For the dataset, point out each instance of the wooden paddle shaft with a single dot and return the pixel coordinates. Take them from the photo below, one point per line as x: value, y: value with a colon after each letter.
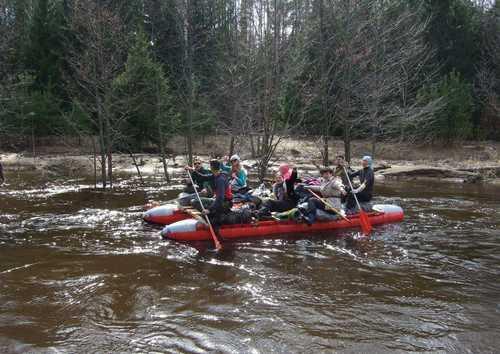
x: 212, y: 231
x: 352, y: 189
x: 329, y: 205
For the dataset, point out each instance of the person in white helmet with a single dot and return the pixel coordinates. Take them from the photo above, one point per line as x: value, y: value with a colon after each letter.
x: 237, y: 174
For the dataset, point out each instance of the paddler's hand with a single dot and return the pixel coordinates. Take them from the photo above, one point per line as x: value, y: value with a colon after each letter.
x: 189, y: 168
x: 359, y: 189
x: 205, y: 212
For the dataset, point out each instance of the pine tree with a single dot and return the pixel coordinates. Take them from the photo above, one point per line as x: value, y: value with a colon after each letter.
x: 143, y: 97
x: 44, y: 52
x: 453, y: 33
x: 453, y: 121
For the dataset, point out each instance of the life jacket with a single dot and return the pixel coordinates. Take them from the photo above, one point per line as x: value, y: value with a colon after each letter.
x: 228, y: 193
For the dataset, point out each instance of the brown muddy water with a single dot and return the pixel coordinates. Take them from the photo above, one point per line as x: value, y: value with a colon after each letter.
x: 80, y: 272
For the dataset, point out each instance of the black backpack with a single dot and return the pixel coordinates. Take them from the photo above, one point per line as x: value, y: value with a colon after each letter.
x: 242, y: 216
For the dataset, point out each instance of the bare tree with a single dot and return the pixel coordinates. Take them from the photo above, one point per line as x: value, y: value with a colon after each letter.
x: 96, y: 58
x: 487, y: 82
x: 376, y: 48
x: 396, y: 65
x: 277, y: 67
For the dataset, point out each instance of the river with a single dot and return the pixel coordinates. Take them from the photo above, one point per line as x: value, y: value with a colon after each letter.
x: 80, y: 272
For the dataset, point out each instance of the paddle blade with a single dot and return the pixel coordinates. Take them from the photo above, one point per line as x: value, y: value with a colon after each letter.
x: 364, y: 221
x: 218, y: 245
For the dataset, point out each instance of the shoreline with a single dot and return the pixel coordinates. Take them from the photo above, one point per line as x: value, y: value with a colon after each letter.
x: 74, y: 165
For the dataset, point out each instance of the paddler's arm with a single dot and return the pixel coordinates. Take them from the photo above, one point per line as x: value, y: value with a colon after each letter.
x: 241, y: 178
x: 202, y: 177
x: 226, y: 168
x: 360, y: 188
x: 368, y: 181
x: 313, y: 188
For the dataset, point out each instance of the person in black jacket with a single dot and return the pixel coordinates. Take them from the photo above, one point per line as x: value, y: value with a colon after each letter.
x: 364, y: 192
x: 221, y: 204
x: 204, y: 187
x: 287, y: 198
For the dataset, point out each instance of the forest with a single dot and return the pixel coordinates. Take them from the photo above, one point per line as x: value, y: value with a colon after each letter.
x: 130, y: 75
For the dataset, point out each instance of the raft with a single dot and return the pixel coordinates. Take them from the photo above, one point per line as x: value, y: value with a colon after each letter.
x: 165, y: 214
x: 194, y: 230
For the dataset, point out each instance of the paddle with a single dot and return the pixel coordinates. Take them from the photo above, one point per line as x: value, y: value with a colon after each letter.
x: 218, y: 245
x: 366, y: 226
x: 329, y: 205
x: 195, y: 214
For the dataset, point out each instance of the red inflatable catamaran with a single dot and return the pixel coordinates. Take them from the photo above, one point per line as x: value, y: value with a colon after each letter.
x: 181, y: 226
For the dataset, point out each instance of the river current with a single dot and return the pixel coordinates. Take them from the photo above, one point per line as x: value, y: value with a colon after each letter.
x: 81, y: 272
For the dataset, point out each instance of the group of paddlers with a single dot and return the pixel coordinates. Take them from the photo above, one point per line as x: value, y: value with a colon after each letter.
x: 223, y: 194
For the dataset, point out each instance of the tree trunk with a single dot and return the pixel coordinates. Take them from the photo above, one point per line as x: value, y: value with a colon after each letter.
x: 160, y: 133
x: 163, y: 154
x: 263, y: 165
x: 347, y: 142
x: 252, y: 147
x: 165, y: 167
x: 110, y: 168
x: 102, y: 143
x: 33, y: 151
x: 103, y: 168
x: 134, y: 160
x: 109, y: 148
x: 188, y: 52
x: 95, y: 162
x: 374, y: 143
x: 326, y: 157
x: 324, y: 111
x: 231, y: 146
x: 190, y: 132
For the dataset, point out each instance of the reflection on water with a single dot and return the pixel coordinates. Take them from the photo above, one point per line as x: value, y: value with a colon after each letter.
x: 80, y: 272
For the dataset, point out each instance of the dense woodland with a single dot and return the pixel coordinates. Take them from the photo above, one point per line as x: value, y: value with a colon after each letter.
x: 132, y: 74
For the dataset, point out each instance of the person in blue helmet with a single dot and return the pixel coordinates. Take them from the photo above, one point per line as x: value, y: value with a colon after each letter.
x: 364, y: 192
